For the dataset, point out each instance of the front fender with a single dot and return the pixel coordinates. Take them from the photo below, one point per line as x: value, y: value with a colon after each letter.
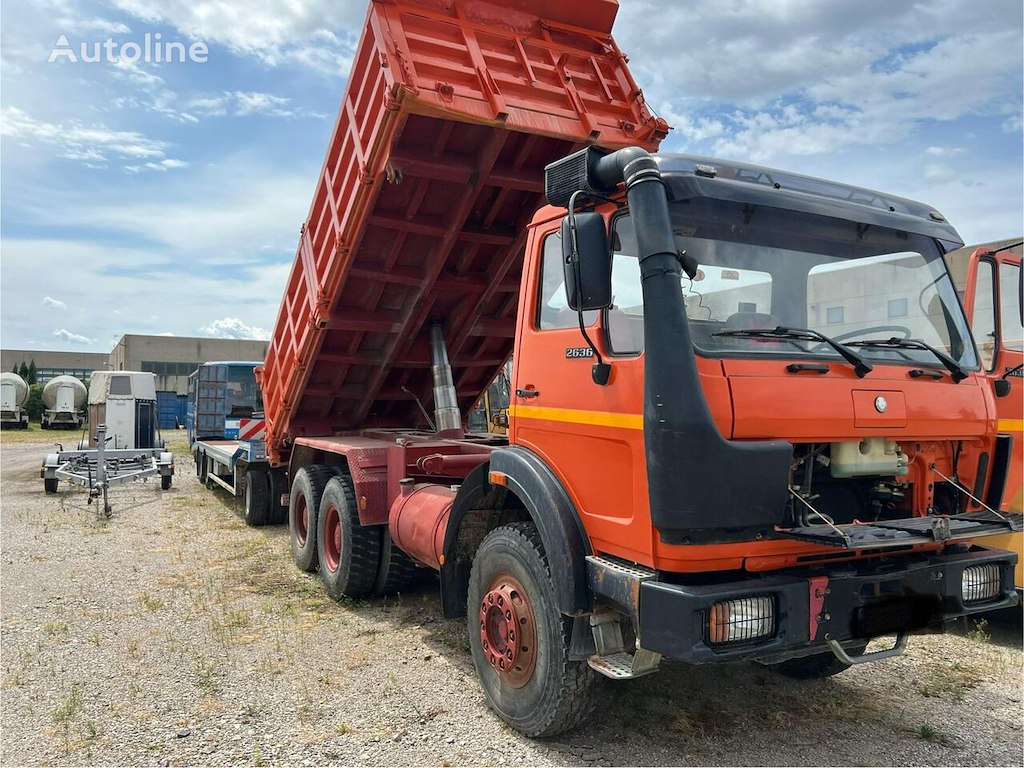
x: 551, y: 510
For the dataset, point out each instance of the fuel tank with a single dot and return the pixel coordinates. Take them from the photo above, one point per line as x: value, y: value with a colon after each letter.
x: 418, y: 520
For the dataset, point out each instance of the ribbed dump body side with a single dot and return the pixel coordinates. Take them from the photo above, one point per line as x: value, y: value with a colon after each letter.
x: 434, y: 168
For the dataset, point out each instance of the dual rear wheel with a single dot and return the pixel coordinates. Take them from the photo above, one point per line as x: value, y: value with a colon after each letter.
x: 355, y: 561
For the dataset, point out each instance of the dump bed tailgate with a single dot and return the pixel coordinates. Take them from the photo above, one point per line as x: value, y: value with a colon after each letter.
x: 435, y: 165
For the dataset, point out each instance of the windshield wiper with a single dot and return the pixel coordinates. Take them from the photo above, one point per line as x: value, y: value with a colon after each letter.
x: 957, y: 373
x: 860, y: 366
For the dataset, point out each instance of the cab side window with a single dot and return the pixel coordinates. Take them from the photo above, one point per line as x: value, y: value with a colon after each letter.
x: 552, y: 305
x: 1011, y: 330
x: 983, y: 321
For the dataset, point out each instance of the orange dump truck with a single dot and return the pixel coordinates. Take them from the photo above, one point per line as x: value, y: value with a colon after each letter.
x: 747, y: 419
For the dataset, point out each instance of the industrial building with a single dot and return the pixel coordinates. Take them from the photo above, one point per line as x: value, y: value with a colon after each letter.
x: 51, y: 364
x: 171, y: 358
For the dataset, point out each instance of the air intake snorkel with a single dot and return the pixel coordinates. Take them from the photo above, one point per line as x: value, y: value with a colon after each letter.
x: 699, y: 483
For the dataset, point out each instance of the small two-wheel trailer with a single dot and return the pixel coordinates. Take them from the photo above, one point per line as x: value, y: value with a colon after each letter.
x: 123, y: 445
x: 97, y: 469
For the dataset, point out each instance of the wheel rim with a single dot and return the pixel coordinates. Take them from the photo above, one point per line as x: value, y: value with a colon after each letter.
x: 332, y: 539
x: 301, y: 521
x: 508, y: 630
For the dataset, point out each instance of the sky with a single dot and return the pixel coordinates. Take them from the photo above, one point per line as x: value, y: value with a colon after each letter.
x: 166, y: 197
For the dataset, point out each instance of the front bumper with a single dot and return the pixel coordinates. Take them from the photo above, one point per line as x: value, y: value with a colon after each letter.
x: 846, y: 602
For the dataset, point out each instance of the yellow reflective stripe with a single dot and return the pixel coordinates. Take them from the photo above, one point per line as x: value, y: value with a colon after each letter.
x: 1010, y: 425
x: 571, y: 416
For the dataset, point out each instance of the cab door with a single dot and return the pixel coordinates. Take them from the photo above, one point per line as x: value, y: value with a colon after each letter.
x: 590, y: 435
x: 993, y: 300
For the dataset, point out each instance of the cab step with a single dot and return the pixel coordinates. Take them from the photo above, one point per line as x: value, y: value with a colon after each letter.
x: 626, y: 666
x: 617, y: 583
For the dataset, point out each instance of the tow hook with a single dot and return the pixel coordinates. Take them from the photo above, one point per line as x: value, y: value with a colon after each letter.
x: 841, y: 654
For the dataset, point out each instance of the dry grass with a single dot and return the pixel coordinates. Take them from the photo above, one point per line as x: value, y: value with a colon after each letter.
x: 951, y: 681
x: 36, y: 434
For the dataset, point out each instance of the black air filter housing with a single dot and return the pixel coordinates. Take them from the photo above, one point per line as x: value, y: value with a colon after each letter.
x: 573, y: 173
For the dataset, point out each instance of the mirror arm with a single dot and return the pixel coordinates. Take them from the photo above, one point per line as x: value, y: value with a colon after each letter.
x: 600, y: 370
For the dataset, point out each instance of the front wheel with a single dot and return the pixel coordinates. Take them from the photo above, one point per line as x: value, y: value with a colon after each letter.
x: 165, y: 482
x: 257, y: 498
x: 520, y: 640
x: 50, y: 484
x: 278, y: 487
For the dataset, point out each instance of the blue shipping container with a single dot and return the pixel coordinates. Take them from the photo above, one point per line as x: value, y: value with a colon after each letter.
x: 171, y: 409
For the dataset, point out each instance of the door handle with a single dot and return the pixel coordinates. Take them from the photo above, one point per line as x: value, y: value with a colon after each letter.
x: 527, y: 393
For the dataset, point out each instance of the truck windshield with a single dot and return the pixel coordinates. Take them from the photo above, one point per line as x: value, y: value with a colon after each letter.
x: 243, y: 396
x: 765, y: 268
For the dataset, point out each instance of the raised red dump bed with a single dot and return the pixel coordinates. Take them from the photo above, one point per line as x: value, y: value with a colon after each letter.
x: 435, y: 166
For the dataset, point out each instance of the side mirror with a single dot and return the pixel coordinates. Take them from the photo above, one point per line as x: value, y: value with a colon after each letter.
x: 587, y: 259
x: 1001, y: 387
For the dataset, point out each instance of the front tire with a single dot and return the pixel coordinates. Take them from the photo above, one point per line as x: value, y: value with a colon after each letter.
x: 520, y: 640
x: 348, y: 552
x: 165, y: 482
x: 278, y: 487
x: 303, y: 507
x: 50, y: 484
x: 257, y: 498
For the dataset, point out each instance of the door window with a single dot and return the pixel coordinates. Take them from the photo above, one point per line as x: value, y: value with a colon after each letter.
x: 552, y: 302
x: 983, y: 320
x: 1011, y: 331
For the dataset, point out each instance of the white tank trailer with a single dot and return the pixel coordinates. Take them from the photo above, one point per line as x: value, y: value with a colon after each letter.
x: 13, y: 396
x: 64, y: 400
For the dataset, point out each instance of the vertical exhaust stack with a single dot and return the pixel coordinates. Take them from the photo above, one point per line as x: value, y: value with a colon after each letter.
x: 447, y: 417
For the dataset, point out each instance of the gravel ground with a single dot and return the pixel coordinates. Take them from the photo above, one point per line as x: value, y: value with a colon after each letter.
x: 173, y: 634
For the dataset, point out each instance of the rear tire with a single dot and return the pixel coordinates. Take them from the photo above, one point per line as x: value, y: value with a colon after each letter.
x: 278, y: 487
x: 204, y: 469
x: 348, y: 552
x: 397, y: 571
x: 50, y: 484
x: 539, y: 691
x: 257, y: 498
x: 303, y: 508
x: 165, y: 482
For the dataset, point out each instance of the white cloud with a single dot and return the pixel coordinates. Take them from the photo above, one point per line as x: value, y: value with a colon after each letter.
x: 164, y: 165
x: 245, y: 104
x: 55, y: 303
x: 73, y: 338
x: 233, y: 328
x: 765, y: 79
x: 274, y: 31
x: 75, y: 140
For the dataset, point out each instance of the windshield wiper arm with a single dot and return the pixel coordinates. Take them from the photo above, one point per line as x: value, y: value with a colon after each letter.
x: 957, y: 373
x: 860, y: 366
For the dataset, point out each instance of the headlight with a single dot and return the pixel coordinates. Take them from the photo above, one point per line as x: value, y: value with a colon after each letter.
x: 980, y: 582
x: 741, y: 620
